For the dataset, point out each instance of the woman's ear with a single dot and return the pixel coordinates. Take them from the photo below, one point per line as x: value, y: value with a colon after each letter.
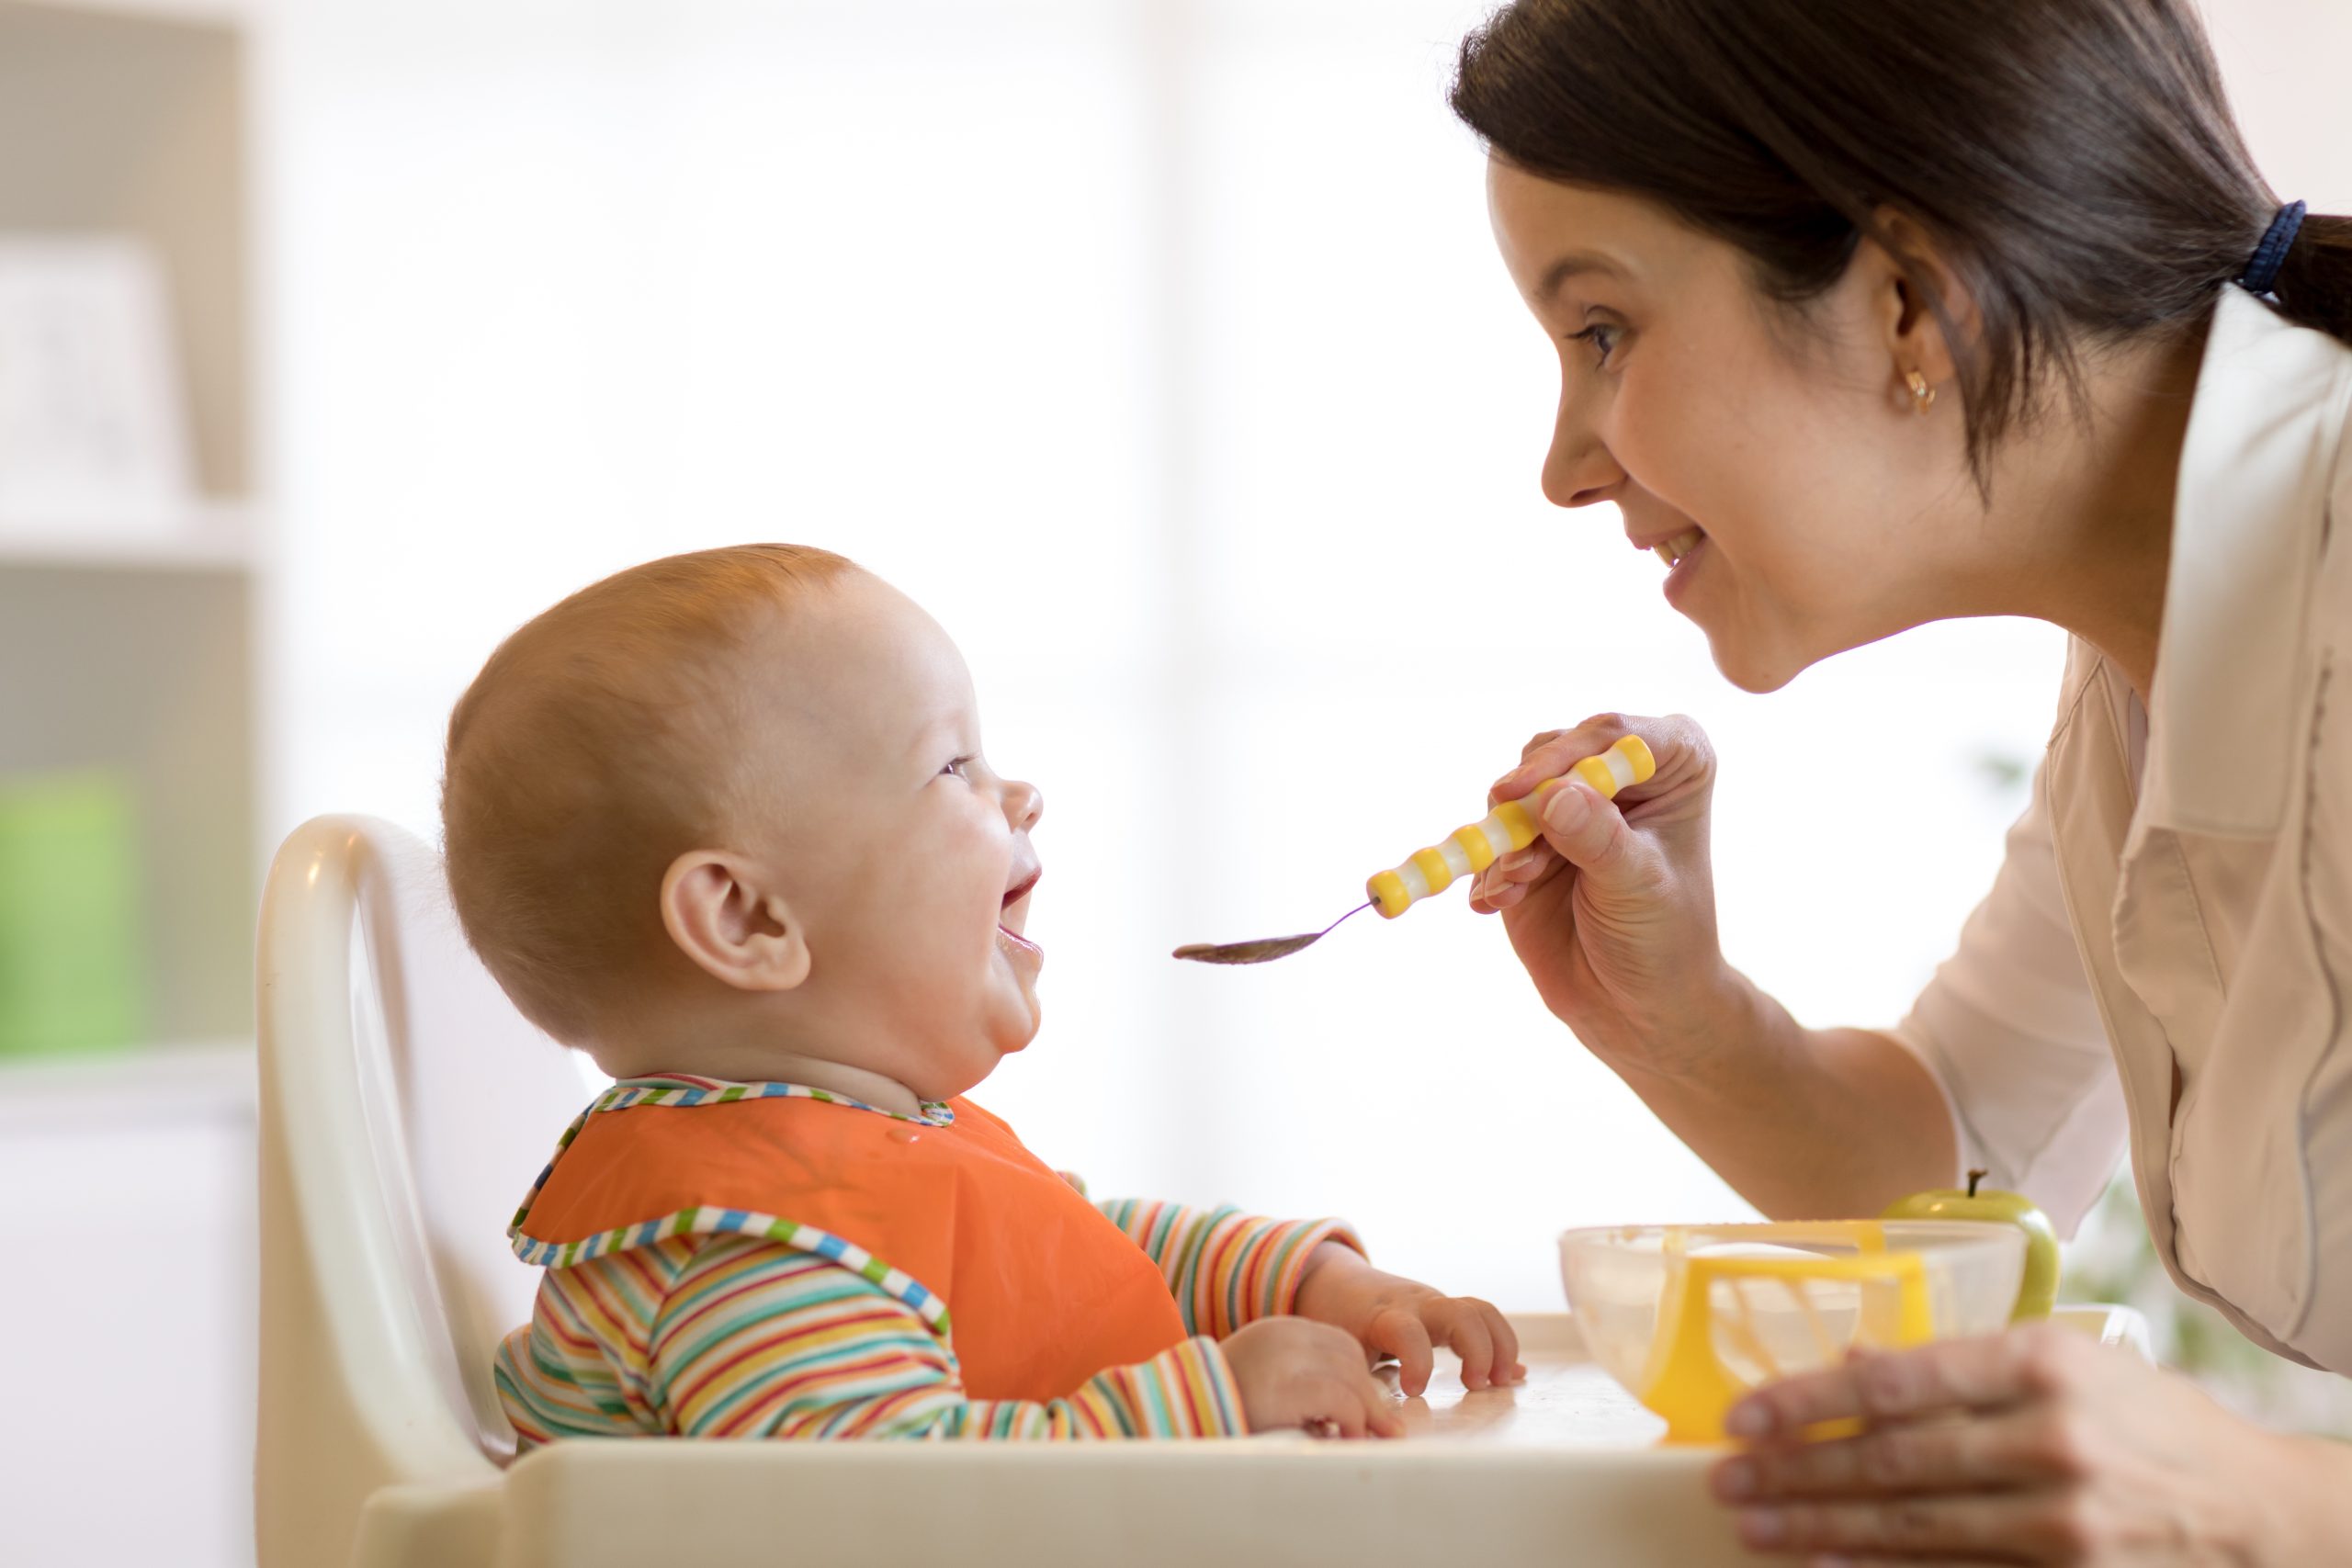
x: 1915, y: 335
x: 720, y: 911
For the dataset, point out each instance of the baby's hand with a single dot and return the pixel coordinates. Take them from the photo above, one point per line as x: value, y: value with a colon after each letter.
x: 1295, y: 1374
x: 1397, y: 1317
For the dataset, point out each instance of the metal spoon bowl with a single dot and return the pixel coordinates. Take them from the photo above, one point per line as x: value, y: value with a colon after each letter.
x: 1265, y: 950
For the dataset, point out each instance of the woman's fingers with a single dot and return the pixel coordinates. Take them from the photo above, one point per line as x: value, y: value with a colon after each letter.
x: 1579, y: 826
x: 1680, y: 746
x: 2034, y: 1526
x: 2030, y: 1446
x: 1554, y: 752
x: 1513, y: 873
x: 1962, y: 1374
x: 1537, y: 744
x: 1587, y: 831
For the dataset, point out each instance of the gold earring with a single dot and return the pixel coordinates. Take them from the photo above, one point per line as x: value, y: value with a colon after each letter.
x: 1923, y: 397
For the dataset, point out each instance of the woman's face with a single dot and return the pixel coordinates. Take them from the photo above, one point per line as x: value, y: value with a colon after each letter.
x: 1777, y: 453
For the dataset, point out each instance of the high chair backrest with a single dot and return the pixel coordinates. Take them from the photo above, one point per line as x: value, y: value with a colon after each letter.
x: 406, y: 1107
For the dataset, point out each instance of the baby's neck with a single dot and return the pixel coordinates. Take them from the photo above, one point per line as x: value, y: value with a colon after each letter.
x: 838, y: 1078
x: 767, y: 1064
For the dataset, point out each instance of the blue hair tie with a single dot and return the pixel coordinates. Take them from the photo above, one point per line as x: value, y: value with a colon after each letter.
x: 2262, y: 272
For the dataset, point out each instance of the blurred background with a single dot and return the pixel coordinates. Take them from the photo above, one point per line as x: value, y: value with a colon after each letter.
x: 1158, y: 346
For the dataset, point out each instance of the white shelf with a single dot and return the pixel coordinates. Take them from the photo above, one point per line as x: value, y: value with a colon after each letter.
x: 206, y: 538
x: 128, y: 643
x: 127, y: 635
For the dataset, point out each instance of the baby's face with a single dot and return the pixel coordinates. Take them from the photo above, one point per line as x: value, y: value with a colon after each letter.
x: 903, y: 854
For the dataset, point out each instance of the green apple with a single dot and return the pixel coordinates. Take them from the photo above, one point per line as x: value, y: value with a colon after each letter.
x: 2039, y: 1289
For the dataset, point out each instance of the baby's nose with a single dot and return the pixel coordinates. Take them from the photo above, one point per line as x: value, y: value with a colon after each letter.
x: 1024, y: 803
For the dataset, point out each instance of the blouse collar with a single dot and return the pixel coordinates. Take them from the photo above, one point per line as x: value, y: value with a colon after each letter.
x: 2266, y: 445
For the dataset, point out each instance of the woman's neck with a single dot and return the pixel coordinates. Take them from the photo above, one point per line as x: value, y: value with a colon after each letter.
x: 2080, y: 532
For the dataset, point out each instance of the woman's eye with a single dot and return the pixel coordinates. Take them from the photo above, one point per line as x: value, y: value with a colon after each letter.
x: 1604, y: 338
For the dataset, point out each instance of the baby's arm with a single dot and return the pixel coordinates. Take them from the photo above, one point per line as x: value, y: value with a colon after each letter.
x: 757, y: 1340
x: 1226, y: 1268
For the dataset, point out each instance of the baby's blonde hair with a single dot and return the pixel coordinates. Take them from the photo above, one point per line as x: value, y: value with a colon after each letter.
x: 591, y: 751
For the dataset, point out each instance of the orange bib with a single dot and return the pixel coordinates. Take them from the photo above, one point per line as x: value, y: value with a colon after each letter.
x: 959, y: 1221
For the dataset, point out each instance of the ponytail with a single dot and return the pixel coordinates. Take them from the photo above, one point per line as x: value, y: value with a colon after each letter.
x: 2314, y: 283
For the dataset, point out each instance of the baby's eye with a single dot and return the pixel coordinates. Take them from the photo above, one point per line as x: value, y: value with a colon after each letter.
x: 957, y: 766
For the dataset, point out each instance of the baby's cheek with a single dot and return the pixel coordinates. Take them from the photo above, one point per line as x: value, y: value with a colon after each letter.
x: 944, y: 863
x: 927, y: 945
x: 937, y: 930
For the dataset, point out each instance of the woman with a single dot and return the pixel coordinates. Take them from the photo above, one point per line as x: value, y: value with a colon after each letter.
x: 1870, y: 315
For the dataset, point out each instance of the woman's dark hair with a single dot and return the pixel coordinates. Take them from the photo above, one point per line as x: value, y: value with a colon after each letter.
x: 2074, y: 161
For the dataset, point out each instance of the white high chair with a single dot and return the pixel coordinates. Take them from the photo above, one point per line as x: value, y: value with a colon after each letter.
x: 396, y: 1083
x: 406, y: 1107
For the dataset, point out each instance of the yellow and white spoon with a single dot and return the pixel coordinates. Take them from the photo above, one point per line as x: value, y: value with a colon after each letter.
x: 1467, y: 851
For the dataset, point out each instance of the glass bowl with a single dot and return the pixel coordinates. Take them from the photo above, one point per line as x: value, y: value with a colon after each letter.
x: 1689, y: 1317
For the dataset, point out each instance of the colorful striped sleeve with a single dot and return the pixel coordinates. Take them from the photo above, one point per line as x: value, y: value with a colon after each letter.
x: 746, y: 1339
x: 1225, y: 1268
x: 579, y: 1368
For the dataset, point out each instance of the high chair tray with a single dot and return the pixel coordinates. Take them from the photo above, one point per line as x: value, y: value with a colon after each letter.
x: 1566, y: 1467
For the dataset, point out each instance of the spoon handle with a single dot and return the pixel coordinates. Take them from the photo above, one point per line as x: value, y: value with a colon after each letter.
x: 1514, y: 825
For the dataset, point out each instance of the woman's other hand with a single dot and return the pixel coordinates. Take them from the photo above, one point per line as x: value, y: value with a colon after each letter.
x: 1613, y: 910
x: 2034, y: 1445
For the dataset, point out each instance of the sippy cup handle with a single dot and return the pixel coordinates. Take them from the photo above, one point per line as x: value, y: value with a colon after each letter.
x: 1511, y: 826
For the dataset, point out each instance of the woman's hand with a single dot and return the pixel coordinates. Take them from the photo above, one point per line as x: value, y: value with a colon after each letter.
x: 1613, y: 910
x: 1393, y: 1316
x: 2034, y: 1445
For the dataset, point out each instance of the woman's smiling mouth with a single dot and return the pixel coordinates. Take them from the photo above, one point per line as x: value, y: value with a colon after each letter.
x: 1681, y: 551
x: 1672, y: 550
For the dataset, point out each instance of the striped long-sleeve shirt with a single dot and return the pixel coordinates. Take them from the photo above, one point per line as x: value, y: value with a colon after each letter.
x: 734, y: 1335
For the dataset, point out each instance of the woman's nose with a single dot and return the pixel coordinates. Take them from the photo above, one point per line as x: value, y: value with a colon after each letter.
x: 1024, y: 803
x: 1577, y: 470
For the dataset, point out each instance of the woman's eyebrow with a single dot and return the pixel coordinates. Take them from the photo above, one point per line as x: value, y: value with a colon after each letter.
x: 1575, y: 262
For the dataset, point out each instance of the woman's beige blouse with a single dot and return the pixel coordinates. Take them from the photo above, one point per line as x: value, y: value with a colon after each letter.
x: 2165, y: 962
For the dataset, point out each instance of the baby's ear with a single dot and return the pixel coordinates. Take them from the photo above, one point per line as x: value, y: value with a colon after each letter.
x: 722, y: 913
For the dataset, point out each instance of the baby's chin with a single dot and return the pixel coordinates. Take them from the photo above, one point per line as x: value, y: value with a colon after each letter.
x: 1023, y: 1029
x: 1008, y: 1032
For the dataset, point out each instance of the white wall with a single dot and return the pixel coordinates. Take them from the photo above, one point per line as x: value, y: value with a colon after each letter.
x: 2285, y: 60
x: 1160, y: 348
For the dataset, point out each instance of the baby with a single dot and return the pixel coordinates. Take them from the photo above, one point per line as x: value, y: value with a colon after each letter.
x: 723, y: 822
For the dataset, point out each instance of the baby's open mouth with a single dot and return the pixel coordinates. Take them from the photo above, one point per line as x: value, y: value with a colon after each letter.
x: 1005, y: 934
x: 1013, y: 942
x: 1022, y: 889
